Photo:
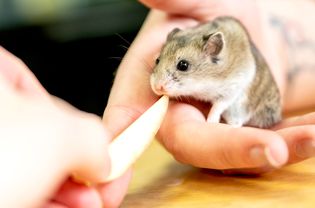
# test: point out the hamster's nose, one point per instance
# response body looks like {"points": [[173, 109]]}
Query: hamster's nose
{"points": [[159, 88]]}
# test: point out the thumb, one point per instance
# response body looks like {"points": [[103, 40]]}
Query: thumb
{"points": [[201, 10], [190, 8]]}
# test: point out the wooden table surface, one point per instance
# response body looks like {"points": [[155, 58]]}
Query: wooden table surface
{"points": [[160, 181]]}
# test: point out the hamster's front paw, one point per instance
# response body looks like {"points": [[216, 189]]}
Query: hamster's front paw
{"points": [[236, 125], [235, 122], [213, 119]]}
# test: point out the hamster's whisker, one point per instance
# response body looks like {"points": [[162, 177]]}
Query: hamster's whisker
{"points": [[179, 98], [149, 67], [115, 57], [124, 39], [124, 47]]}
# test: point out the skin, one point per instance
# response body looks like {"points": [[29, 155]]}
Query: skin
{"points": [[251, 150], [298, 42], [43, 141]]}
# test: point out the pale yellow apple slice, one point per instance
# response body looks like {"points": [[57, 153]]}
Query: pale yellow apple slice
{"points": [[132, 142]]}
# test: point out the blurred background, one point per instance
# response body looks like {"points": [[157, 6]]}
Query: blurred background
{"points": [[72, 46]]}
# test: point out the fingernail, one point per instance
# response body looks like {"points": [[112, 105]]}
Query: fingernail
{"points": [[262, 156], [305, 149], [271, 159]]}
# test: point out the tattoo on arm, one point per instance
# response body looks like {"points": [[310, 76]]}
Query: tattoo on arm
{"points": [[300, 50]]}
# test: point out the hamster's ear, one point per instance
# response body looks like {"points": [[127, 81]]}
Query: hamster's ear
{"points": [[172, 33], [214, 43]]}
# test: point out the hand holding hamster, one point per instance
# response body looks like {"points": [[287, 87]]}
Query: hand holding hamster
{"points": [[217, 62], [184, 133]]}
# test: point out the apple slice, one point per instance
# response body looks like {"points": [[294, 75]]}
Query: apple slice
{"points": [[131, 143]]}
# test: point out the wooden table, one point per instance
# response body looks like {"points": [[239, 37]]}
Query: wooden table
{"points": [[159, 181]]}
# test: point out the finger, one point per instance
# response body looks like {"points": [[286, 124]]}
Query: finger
{"points": [[299, 135], [131, 93], [130, 96], [18, 75], [113, 193], [76, 195], [191, 8], [248, 171], [307, 119], [202, 10], [300, 141], [54, 205], [218, 146]]}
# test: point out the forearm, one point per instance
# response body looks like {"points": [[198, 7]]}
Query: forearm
{"points": [[295, 33]]}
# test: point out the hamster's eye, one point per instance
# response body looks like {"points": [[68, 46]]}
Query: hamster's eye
{"points": [[157, 61], [182, 65]]}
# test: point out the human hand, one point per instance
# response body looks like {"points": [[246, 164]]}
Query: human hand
{"points": [[185, 133], [44, 141]]}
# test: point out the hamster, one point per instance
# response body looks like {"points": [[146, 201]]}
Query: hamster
{"points": [[217, 62]]}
